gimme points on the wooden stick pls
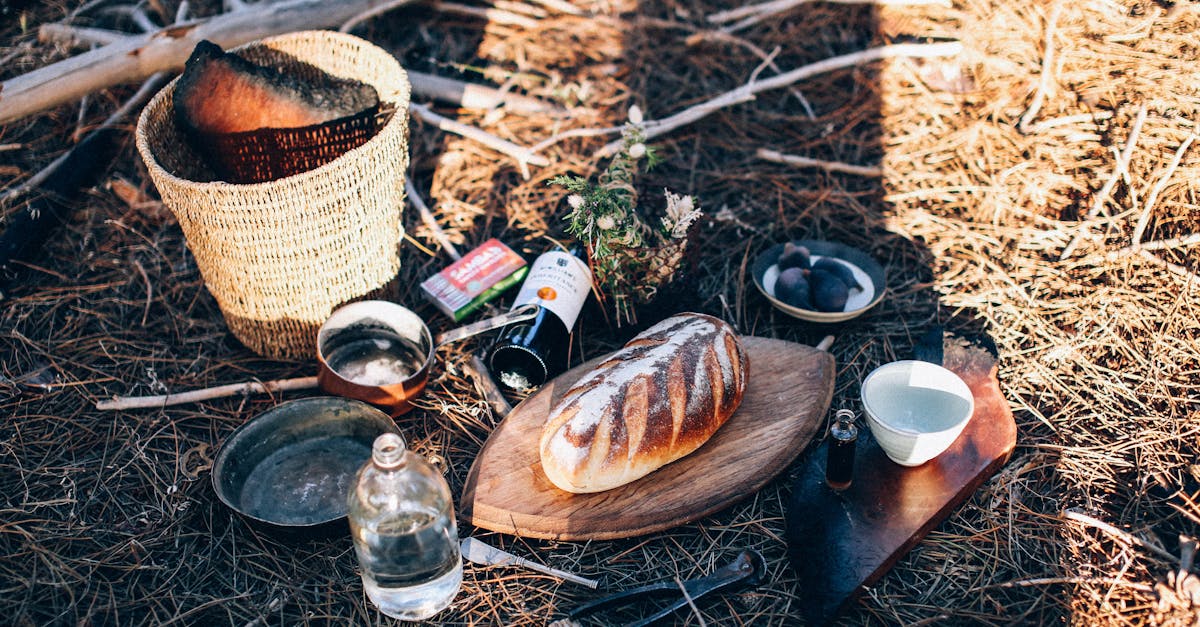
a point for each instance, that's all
(1121, 536)
(806, 162)
(691, 603)
(490, 14)
(730, 38)
(140, 19)
(575, 132)
(561, 6)
(1183, 241)
(195, 396)
(522, 155)
(139, 56)
(1049, 581)
(1063, 120)
(1173, 243)
(461, 93)
(475, 96)
(430, 221)
(1119, 168)
(520, 8)
(1140, 229)
(1122, 165)
(753, 14)
(654, 128)
(1192, 278)
(55, 32)
(1047, 72)
(135, 101)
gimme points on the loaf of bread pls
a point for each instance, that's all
(660, 397)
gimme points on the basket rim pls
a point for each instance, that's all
(399, 117)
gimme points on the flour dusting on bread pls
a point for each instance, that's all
(657, 399)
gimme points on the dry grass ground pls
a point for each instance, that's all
(108, 518)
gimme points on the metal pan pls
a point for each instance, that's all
(380, 352)
(293, 465)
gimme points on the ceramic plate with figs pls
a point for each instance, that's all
(819, 281)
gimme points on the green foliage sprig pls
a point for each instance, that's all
(626, 252)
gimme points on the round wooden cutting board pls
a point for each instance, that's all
(788, 392)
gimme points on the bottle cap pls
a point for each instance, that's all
(388, 450)
(843, 427)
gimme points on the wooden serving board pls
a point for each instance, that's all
(789, 388)
(839, 542)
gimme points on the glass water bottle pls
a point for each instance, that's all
(402, 521)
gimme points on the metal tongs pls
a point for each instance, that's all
(748, 569)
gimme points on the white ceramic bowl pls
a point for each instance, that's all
(915, 409)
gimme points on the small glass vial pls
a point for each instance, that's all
(839, 465)
(405, 535)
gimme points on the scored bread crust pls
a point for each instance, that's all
(657, 399)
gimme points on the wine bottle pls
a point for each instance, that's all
(529, 353)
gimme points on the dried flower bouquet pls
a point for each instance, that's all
(631, 257)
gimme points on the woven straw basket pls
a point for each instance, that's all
(279, 256)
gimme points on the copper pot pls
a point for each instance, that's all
(380, 352)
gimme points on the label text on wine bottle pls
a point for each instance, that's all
(559, 282)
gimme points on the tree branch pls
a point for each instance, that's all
(136, 100)
(207, 394)
(1140, 229)
(475, 96)
(524, 156)
(139, 56)
(1117, 534)
(449, 90)
(830, 166)
(755, 13)
(1024, 124)
(1119, 168)
(654, 128)
(430, 221)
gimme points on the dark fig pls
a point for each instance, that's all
(792, 288)
(829, 292)
(838, 269)
(793, 256)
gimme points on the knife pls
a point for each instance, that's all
(480, 552)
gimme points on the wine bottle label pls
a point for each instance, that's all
(559, 282)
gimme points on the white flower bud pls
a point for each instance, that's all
(575, 200)
(605, 223)
(637, 151)
(635, 115)
(686, 204)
